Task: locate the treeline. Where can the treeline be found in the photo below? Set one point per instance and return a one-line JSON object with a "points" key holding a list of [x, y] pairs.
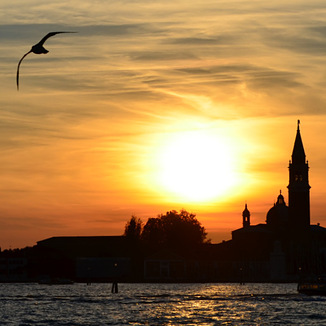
{"points": [[167, 231], [172, 230]]}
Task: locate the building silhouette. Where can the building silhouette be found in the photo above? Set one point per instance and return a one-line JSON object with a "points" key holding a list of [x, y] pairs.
{"points": [[287, 244], [299, 189], [283, 249]]}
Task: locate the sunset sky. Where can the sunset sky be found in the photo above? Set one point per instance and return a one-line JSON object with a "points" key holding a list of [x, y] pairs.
{"points": [[154, 106]]}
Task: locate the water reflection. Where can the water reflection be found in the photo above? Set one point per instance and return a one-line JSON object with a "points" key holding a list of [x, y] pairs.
{"points": [[159, 304]]}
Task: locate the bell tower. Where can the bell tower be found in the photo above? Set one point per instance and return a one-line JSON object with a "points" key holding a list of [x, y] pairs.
{"points": [[246, 217], [299, 189]]}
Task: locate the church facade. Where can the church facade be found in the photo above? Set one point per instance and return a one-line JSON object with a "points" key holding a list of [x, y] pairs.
{"points": [[287, 245]]}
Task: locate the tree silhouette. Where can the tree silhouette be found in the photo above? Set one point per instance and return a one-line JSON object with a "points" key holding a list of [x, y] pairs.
{"points": [[133, 228], [174, 230], [153, 232]]}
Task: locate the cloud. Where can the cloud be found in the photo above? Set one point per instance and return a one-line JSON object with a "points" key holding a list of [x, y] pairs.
{"points": [[162, 56], [297, 41]]}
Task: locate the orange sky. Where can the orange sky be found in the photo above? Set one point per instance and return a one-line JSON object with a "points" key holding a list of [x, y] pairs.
{"points": [[138, 112]]}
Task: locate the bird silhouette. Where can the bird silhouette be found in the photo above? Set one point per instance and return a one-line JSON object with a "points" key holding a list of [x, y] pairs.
{"points": [[37, 49]]}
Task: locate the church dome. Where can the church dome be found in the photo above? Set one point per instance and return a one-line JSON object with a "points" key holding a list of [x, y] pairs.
{"points": [[277, 216], [280, 199]]}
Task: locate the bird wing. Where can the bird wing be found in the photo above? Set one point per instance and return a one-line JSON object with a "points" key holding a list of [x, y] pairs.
{"points": [[49, 35], [20, 61]]}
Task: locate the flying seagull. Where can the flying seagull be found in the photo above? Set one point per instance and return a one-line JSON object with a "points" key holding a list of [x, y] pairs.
{"points": [[37, 49]]}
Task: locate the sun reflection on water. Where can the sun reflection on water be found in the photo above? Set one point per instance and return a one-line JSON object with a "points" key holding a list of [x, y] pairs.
{"points": [[159, 304]]}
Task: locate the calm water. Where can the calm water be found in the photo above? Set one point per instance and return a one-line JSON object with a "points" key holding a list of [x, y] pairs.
{"points": [[159, 304]]}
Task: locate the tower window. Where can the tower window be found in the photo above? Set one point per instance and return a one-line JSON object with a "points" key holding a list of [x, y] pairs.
{"points": [[298, 177]]}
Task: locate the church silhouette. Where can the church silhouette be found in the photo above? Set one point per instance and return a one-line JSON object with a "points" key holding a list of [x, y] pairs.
{"points": [[283, 249], [287, 246]]}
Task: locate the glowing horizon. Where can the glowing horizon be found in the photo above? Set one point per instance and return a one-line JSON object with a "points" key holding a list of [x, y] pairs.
{"points": [[84, 143]]}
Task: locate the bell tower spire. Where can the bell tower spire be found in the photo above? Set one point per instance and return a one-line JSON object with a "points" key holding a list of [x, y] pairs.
{"points": [[299, 188], [298, 154]]}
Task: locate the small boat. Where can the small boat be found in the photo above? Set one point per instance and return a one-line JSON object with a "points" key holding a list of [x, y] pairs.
{"points": [[313, 287]]}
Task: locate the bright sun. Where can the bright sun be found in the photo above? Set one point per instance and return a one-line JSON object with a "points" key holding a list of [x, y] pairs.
{"points": [[197, 166]]}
